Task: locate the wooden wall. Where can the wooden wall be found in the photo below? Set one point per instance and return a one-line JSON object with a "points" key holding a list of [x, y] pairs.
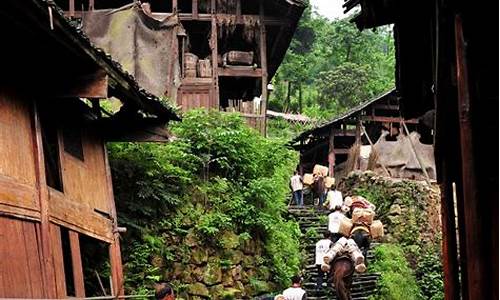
{"points": [[84, 205], [17, 164], [196, 93], [21, 260]]}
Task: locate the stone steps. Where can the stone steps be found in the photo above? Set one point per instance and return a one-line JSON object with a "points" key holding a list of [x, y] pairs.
{"points": [[309, 217]]}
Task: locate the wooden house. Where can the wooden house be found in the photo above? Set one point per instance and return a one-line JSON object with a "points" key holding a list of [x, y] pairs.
{"points": [[447, 61], [225, 53], [56, 196], [362, 127]]}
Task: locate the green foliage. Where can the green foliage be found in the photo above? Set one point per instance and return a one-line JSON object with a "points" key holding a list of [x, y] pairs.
{"points": [[218, 176], [332, 66], [429, 273], [397, 280]]}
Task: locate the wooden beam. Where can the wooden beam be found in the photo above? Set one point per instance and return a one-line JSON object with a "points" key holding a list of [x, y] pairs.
{"points": [[240, 71], [145, 130], [76, 261], [386, 106], [43, 198], [94, 85], [388, 119]]}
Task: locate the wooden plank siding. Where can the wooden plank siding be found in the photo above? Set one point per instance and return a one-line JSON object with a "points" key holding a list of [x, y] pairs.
{"points": [[20, 263], [85, 181]]}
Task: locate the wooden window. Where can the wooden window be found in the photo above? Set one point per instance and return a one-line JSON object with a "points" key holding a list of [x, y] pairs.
{"points": [[51, 153], [72, 139]]}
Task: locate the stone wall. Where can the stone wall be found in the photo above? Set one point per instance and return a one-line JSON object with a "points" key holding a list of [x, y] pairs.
{"points": [[234, 270]]}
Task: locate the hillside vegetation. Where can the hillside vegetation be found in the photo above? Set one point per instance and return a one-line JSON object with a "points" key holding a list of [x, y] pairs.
{"points": [[206, 211]]}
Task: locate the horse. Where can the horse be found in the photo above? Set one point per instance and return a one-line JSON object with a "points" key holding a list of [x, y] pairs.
{"points": [[342, 269], [361, 235]]}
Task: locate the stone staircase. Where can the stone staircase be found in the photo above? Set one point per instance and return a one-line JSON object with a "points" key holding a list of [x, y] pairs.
{"points": [[313, 223]]}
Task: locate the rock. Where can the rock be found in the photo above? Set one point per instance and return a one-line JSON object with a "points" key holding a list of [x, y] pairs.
{"points": [[191, 239], [198, 289], [239, 286], [199, 256], [230, 240], [395, 209], [217, 291], [212, 274], [234, 256], [177, 269], [227, 279], [157, 261], [263, 273], [248, 247], [197, 273], [257, 287], [236, 273], [248, 261]]}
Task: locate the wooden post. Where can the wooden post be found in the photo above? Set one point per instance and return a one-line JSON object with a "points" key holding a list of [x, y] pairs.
{"points": [[195, 9], [43, 199], [238, 12], [91, 4], [215, 63], [476, 235], [114, 249], [76, 260], [263, 61], [174, 6], [71, 8], [331, 153]]}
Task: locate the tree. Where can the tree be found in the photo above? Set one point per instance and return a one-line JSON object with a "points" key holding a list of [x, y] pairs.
{"points": [[345, 84]]}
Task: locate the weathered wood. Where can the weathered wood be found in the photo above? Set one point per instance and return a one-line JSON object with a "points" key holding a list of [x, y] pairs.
{"points": [[16, 146], [388, 119], [195, 9], [238, 11], [114, 249], [76, 260], [240, 71], [20, 261], [94, 85], [58, 261], [43, 197], [81, 176], [475, 233], [331, 154], [32, 258], [71, 8], [18, 212], [174, 6], [144, 130], [18, 194], [214, 91], [263, 65], [386, 106], [79, 217]]}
